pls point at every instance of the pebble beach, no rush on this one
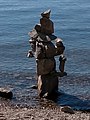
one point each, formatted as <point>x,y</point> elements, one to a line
<point>34,113</point>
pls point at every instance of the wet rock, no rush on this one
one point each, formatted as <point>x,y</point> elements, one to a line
<point>42,37</point>
<point>46,13</point>
<point>47,84</point>
<point>52,37</point>
<point>44,50</point>
<point>47,26</point>
<point>45,66</point>
<point>62,60</point>
<point>59,50</point>
<point>59,46</point>
<point>67,109</point>
<point>59,42</point>
<point>50,50</point>
<point>30,54</point>
<point>6,93</point>
<point>38,28</point>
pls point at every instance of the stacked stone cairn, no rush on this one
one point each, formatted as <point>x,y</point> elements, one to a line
<point>44,52</point>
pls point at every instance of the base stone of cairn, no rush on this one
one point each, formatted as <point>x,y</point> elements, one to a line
<point>44,51</point>
<point>47,84</point>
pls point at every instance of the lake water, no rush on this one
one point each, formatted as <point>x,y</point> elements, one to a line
<point>72,24</point>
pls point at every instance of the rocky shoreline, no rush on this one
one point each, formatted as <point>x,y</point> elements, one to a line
<point>10,112</point>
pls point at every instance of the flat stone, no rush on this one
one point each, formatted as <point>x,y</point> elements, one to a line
<point>59,46</point>
<point>30,54</point>
<point>39,53</point>
<point>6,93</point>
<point>42,37</point>
<point>50,50</point>
<point>46,13</point>
<point>45,50</point>
<point>52,37</point>
<point>45,38</point>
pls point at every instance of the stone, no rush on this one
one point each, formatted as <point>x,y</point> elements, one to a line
<point>62,60</point>
<point>67,109</point>
<point>45,50</point>
<point>59,50</point>
<point>45,66</point>
<point>52,37</point>
<point>47,84</point>
<point>46,38</point>
<point>38,28</point>
<point>59,47</point>
<point>5,93</point>
<point>46,13</point>
<point>39,53</point>
<point>50,50</point>
<point>33,34</point>
<point>59,42</point>
<point>43,38</point>
<point>30,54</point>
<point>47,26</point>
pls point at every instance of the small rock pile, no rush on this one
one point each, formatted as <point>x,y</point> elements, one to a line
<point>44,52</point>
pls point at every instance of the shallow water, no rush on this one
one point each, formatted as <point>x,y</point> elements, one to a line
<point>17,72</point>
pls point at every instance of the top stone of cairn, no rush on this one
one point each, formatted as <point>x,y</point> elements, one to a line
<point>46,13</point>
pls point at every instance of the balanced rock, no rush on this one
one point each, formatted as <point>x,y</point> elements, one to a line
<point>44,51</point>
<point>45,66</point>
<point>50,50</point>
<point>47,26</point>
<point>46,13</point>
<point>59,47</point>
<point>62,60</point>
<point>47,84</point>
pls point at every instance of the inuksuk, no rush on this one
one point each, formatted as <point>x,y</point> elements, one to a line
<point>44,51</point>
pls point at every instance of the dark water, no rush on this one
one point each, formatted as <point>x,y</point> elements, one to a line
<point>17,72</point>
